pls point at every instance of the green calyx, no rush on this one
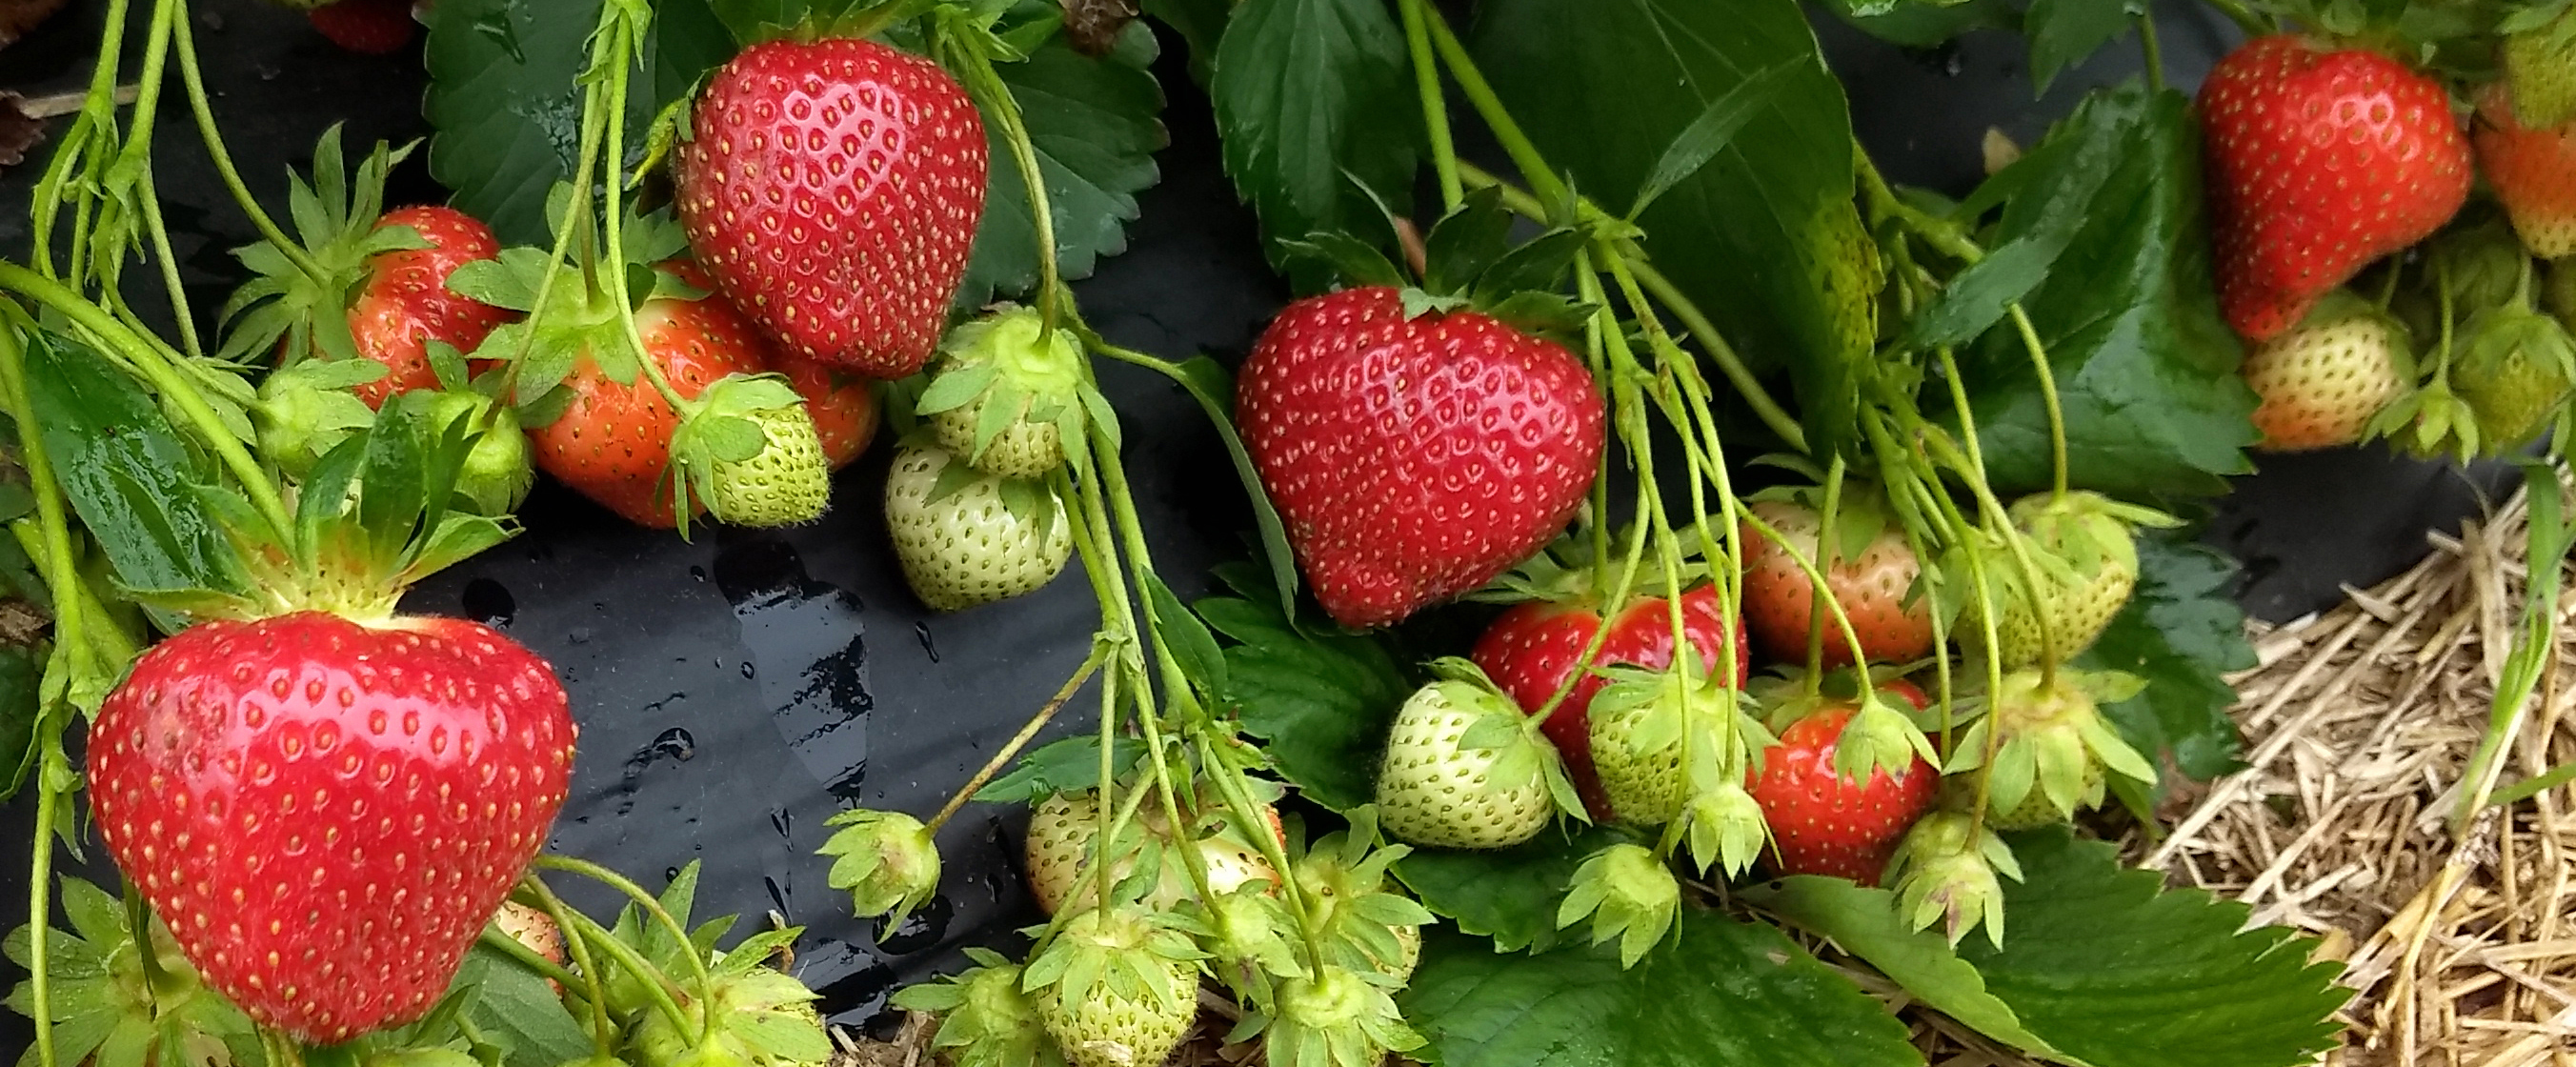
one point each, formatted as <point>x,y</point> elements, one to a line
<point>286,309</point>
<point>1660,738</point>
<point>887,861</point>
<point>1009,393</point>
<point>1364,926</point>
<point>2055,745</point>
<point>1629,895</point>
<point>1948,874</point>
<point>747,447</point>
<point>1339,1017</point>
<point>2084,557</point>
<point>1115,987</point>
<point>760,1017</point>
<point>574,317</point>
<point>985,1018</point>
<point>1468,262</point>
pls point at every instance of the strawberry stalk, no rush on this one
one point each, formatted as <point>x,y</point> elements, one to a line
<point>1435,111</point>
<point>603,1031</point>
<point>1028,732</point>
<point>966,51</point>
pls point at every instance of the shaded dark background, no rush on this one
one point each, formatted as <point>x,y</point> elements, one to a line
<point>736,691</point>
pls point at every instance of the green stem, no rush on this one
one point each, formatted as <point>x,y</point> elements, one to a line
<point>603,1031</point>
<point>40,919</point>
<point>510,946</point>
<point>2246,20</point>
<point>657,985</point>
<point>1435,106</point>
<point>1626,256</point>
<point>98,113</point>
<point>2040,365</point>
<point>2152,47</point>
<point>652,906</point>
<point>158,230</point>
<point>982,80</point>
<point>203,109</point>
<point>1028,732</point>
<point>1971,468</point>
<point>1943,235</point>
<point>108,641</point>
<point>1480,95</point>
<point>228,449</point>
<point>281,1050</point>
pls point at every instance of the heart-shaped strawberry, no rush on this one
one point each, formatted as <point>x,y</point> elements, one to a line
<point>833,188</point>
<point>1413,458</point>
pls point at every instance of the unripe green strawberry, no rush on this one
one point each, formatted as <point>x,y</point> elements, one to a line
<point>498,470</point>
<point>2559,292</point>
<point>1464,769</point>
<point>2037,810</point>
<point>966,538</point>
<point>788,483</point>
<point>1125,995</point>
<point>1063,839</point>
<point>1010,362</point>
<point>2088,566</point>
<point>986,1018</point>
<point>2321,382</point>
<point>1644,788</point>
<point>2515,373</point>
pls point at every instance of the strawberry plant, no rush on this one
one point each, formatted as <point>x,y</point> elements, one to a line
<point>1817,528</point>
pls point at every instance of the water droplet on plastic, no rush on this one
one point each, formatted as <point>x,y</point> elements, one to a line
<point>580,635</point>
<point>488,602</point>
<point>748,670</point>
<point>783,821</point>
<point>697,573</point>
<point>674,744</point>
<point>921,630</point>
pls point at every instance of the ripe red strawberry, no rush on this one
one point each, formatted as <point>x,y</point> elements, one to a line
<point>404,303</point>
<point>367,27</point>
<point>1823,823</point>
<point>613,444</point>
<point>2532,171</point>
<point>326,812</point>
<point>843,407</point>
<point>2320,161</point>
<point>1413,459</point>
<point>1871,581</point>
<point>1530,650</point>
<point>833,188</point>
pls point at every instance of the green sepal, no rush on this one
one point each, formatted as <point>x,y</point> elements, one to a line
<point>1356,261</point>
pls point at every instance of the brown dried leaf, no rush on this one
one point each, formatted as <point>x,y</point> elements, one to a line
<point>17,17</point>
<point>1093,25</point>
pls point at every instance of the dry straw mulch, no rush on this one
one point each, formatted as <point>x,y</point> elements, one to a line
<point>2359,725</point>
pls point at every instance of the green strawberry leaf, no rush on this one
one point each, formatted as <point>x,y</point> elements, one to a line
<point>1191,643</point>
<point>505,105</point>
<point>1096,125</point>
<point>1724,992</point>
<point>513,1007</point>
<point>2065,32</point>
<point>1313,101</point>
<point>134,482</point>
<point>1066,766</point>
<point>1864,922</point>
<point>2109,966</point>
<point>1510,895</point>
<point>2145,368</point>
<point>1321,703</point>
<point>1762,235</point>
<point>2183,633</point>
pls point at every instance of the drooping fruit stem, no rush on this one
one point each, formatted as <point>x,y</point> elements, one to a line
<point>1829,550</point>
<point>1435,106</point>
<point>2151,50</point>
<point>200,105</point>
<point>1480,95</point>
<point>657,986</point>
<point>2040,366</point>
<point>97,119</point>
<point>1970,465</point>
<point>703,982</point>
<point>967,53</point>
<point>1028,731</point>
<point>603,1031</point>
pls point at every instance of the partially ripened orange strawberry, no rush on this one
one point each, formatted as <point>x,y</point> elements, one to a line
<point>1873,582</point>
<point>832,188</point>
<point>2319,161</point>
<point>2533,172</point>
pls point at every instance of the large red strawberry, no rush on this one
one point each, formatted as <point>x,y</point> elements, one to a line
<point>1872,581</point>
<point>2532,171</point>
<point>1824,823</point>
<point>2319,162</point>
<point>613,444</point>
<point>404,303</point>
<point>833,188</point>
<point>1413,458</point>
<point>326,812</point>
<point>1531,649</point>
